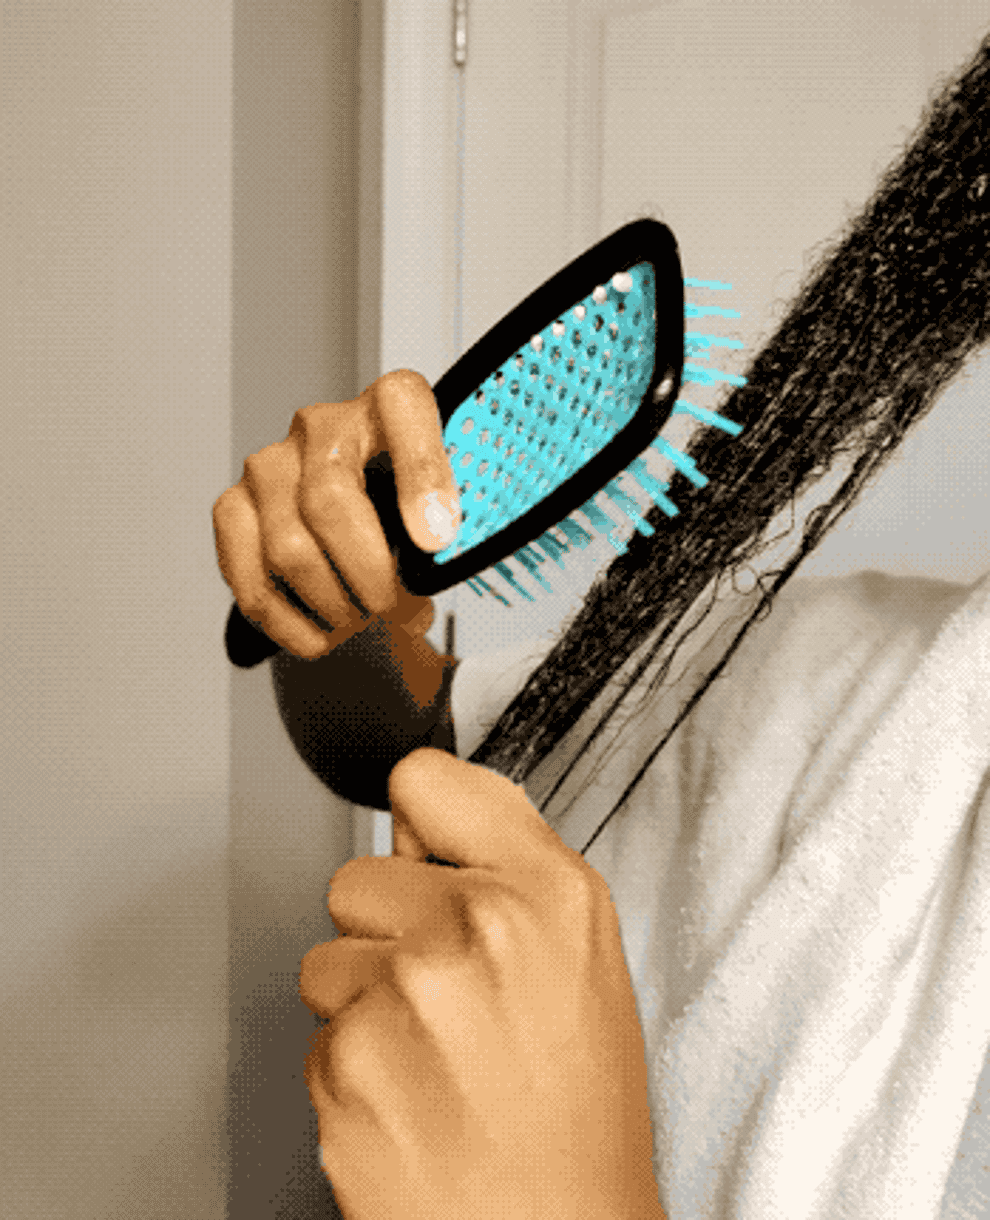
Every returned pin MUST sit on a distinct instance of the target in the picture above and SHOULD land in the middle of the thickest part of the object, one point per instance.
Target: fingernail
(441, 519)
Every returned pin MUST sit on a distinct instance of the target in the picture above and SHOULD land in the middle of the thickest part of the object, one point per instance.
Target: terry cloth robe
(802, 879)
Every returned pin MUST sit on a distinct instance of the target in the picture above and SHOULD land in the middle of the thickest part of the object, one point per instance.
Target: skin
(483, 1056)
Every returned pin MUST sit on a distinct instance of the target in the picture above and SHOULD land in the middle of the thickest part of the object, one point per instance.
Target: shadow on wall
(272, 1127)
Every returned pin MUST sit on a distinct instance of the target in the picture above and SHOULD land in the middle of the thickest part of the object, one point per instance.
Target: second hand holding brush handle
(300, 519)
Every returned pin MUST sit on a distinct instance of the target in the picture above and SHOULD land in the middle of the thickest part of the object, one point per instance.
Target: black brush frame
(641, 241)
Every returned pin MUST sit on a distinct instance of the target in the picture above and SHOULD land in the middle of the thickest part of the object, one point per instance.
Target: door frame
(407, 188)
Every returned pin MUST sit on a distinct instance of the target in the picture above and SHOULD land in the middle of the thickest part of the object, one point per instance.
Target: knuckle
(404, 379)
(309, 983)
(350, 1050)
(223, 506)
(362, 1033)
(288, 552)
(266, 463)
(321, 500)
(494, 911)
(348, 871)
(419, 979)
(340, 889)
(254, 606)
(582, 896)
(310, 422)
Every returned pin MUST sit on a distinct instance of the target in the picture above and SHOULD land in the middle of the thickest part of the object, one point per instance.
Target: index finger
(412, 433)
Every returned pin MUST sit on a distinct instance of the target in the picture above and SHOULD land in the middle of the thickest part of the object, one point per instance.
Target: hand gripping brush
(546, 416)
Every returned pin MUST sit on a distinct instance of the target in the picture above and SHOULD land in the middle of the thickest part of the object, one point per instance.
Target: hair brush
(545, 415)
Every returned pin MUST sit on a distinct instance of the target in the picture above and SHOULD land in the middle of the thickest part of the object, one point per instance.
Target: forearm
(353, 714)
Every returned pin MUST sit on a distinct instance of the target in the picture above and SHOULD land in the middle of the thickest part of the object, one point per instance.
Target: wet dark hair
(879, 328)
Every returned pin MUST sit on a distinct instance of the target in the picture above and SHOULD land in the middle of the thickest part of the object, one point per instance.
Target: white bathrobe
(803, 885)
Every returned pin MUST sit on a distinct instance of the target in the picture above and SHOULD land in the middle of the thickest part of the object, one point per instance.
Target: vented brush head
(545, 415)
(550, 407)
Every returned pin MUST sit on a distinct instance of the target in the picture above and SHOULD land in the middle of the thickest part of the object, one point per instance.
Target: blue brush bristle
(551, 407)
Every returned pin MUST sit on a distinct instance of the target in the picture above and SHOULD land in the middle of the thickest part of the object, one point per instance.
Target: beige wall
(178, 277)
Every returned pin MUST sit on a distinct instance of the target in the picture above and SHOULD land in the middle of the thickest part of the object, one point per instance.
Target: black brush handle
(247, 645)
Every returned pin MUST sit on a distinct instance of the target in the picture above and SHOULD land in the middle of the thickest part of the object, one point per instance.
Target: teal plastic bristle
(548, 409)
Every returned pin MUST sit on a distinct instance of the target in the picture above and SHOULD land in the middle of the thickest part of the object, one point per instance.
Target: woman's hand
(302, 502)
(483, 1058)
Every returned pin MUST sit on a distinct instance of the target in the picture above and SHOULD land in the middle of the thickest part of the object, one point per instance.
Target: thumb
(466, 813)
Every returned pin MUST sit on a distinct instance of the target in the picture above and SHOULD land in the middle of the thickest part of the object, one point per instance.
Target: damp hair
(880, 326)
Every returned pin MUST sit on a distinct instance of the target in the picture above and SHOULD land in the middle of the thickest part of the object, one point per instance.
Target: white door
(754, 128)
